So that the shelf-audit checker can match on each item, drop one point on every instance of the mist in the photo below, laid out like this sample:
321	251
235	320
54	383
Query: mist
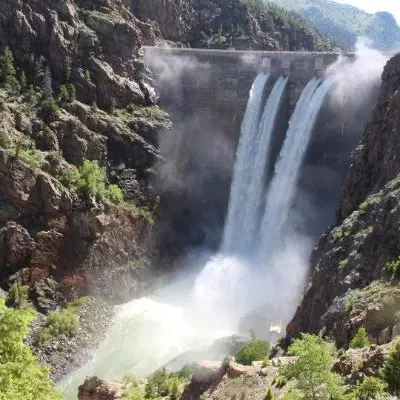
216	293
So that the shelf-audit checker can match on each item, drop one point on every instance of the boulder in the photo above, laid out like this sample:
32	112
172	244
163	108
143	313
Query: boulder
98	389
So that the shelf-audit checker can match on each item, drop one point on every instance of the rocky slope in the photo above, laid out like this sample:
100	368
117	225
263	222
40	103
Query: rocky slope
80	92
240	24
354	279
345	23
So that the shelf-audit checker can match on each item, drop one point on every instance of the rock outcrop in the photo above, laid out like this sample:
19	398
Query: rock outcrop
85	94
97	389
227	24
354	277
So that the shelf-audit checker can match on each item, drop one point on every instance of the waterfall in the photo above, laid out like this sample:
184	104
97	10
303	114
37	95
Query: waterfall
280	196
260	161
243	169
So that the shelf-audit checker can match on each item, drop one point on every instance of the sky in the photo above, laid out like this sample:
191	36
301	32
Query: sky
372	6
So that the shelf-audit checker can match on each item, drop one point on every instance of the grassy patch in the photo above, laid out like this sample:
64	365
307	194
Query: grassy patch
364	233
370	202
63	322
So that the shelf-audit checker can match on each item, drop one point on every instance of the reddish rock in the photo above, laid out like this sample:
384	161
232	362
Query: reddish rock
98	389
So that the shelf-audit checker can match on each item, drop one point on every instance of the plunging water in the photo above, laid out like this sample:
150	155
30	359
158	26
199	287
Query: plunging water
148	332
280	195
244	170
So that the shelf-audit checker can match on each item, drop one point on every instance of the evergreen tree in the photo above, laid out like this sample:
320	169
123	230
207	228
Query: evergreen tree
8	74
23	81
71	92
391	370
360	340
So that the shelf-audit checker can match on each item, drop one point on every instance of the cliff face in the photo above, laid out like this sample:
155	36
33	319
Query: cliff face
230	23
354	278
78	90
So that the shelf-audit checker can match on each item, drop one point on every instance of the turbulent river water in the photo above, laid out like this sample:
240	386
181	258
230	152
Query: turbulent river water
149	332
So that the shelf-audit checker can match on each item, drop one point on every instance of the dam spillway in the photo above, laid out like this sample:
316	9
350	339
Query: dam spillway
206	93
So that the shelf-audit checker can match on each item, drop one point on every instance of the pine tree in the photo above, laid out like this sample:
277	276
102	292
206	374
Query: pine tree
360	340
71	92
8	74
64	95
23	81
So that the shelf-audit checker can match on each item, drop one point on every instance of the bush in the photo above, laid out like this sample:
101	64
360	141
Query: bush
312	370
21	375
90	179
163	383
360	340
18	295
391	369
253	351
64	322
393	266
115	194
269	395
370	388
49	110
32	157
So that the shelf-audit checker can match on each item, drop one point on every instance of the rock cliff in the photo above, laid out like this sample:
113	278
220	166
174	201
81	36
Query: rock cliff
73	88
223	24
354	278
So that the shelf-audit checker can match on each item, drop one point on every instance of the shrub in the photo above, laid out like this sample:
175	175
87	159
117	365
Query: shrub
49	110
90	179
360	339
163	383
18	295
64	322
391	369
8	75
269	395
32	157
71	92
312	370
115	194
21	375
256	350
87	76
63	97
393	266
370	388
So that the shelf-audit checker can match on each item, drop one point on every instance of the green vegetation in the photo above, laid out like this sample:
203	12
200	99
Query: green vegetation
90	180
312	370
370	201
360	339
63	322
269	395
337	233
391	370
257	350
364	232
393	266
21	375
18	295
160	385
8	74
370	388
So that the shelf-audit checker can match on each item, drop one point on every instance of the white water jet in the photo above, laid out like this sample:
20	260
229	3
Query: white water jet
243	169
259	161
282	190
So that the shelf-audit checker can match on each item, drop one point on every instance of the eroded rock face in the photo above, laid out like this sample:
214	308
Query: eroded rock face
195	23
351	282
85	35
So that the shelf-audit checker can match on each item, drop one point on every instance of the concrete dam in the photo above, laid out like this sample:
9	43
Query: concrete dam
206	92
